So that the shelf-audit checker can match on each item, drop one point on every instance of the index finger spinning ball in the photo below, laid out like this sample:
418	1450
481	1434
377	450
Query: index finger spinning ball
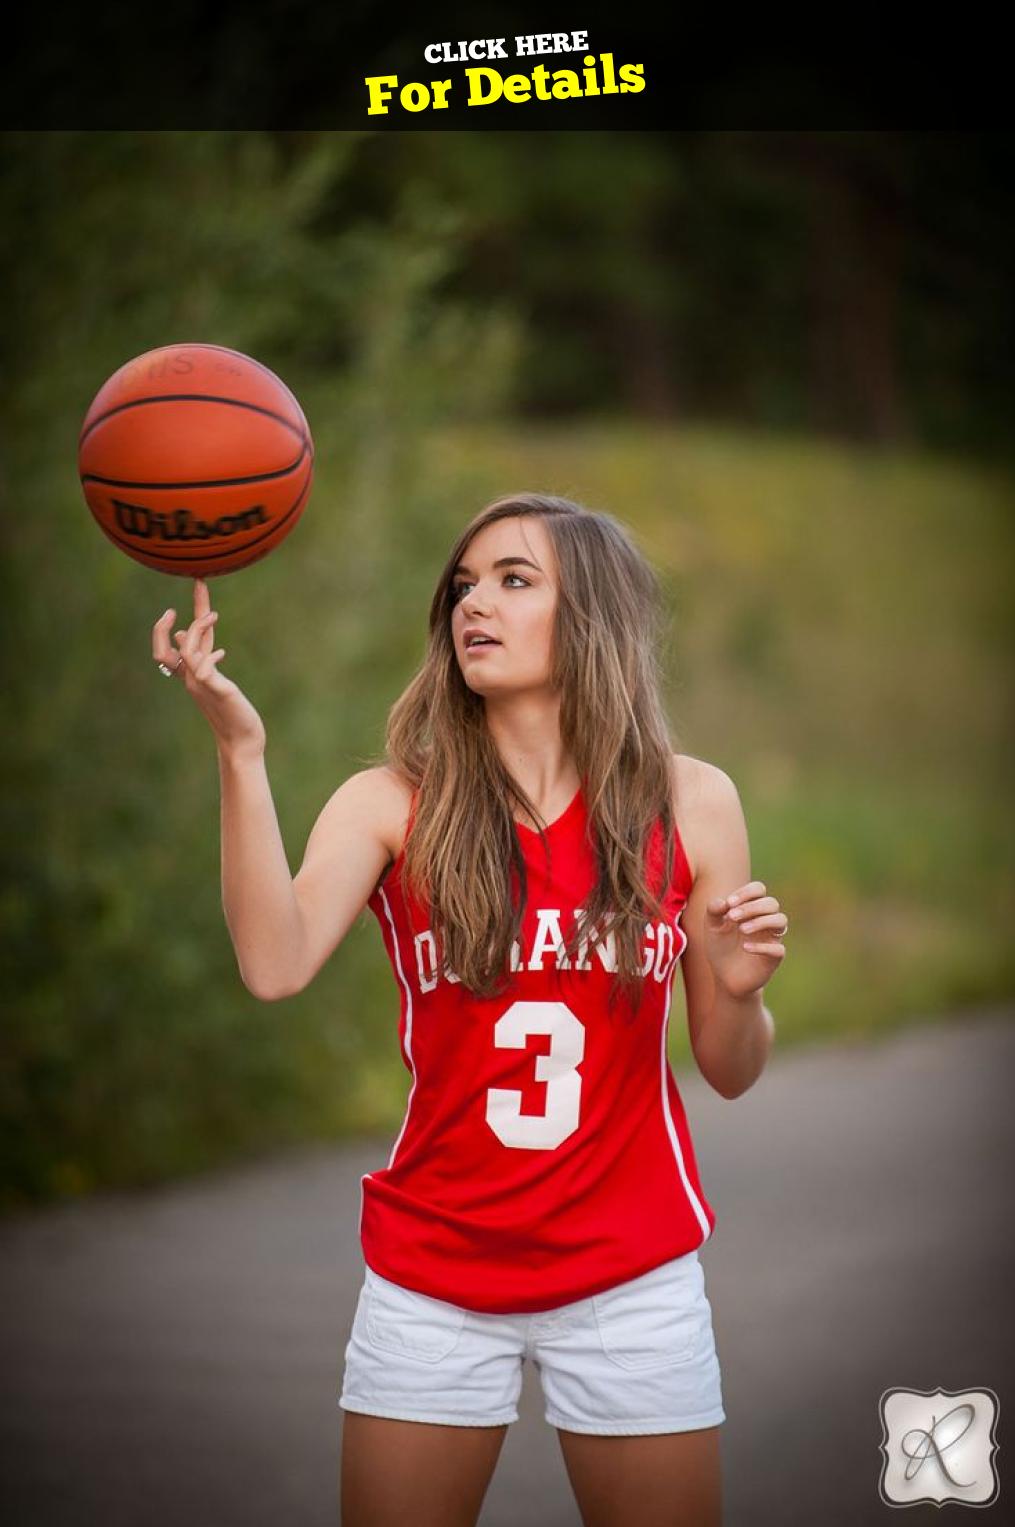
195	460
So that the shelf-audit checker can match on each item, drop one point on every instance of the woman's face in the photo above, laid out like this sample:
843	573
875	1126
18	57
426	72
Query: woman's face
515	604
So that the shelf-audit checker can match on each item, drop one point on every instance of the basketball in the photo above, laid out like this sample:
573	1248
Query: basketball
195	460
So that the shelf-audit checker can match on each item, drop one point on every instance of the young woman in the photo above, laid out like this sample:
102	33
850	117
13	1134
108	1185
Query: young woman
520	848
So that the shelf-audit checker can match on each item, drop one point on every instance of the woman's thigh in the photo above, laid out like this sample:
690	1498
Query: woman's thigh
394	1472
670	1479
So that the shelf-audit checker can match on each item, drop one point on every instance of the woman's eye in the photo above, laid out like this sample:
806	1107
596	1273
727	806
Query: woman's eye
459	588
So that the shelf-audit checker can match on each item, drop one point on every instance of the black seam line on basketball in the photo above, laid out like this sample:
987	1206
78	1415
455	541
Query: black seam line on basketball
192	397
225	350
215	556
176	487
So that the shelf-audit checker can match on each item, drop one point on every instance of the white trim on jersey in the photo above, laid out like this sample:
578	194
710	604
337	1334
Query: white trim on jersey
671	1128
408	1048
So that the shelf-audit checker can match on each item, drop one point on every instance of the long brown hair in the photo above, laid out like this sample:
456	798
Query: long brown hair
463	840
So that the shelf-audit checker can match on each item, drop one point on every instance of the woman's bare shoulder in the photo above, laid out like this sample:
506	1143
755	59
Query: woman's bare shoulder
391	795
696	778
698	788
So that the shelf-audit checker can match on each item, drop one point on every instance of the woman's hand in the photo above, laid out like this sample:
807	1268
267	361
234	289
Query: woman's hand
743	965
235	722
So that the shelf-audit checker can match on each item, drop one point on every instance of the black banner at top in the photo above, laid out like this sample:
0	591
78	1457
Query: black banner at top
305	64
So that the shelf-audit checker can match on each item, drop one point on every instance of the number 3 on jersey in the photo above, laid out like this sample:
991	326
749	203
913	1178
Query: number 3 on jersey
558	1069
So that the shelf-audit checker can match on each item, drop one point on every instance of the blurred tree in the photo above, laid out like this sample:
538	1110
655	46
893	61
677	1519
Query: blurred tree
851	282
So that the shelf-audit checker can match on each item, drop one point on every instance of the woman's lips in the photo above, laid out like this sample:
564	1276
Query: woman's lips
481	647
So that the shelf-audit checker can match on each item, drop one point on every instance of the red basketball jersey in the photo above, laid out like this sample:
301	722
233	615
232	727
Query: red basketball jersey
545	1154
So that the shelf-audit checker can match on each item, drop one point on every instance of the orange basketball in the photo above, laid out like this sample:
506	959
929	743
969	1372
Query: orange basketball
195	460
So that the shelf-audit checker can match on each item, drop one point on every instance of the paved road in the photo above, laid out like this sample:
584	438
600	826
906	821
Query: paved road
175	1356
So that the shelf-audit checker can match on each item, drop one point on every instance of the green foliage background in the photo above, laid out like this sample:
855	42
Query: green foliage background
840	638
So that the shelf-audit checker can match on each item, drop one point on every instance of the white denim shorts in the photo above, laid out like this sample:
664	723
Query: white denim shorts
638	1358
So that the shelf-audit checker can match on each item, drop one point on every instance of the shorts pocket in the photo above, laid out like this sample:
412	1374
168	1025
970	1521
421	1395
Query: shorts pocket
656	1319
412	1324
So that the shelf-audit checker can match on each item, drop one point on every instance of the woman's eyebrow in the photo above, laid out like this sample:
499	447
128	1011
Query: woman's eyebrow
500	562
